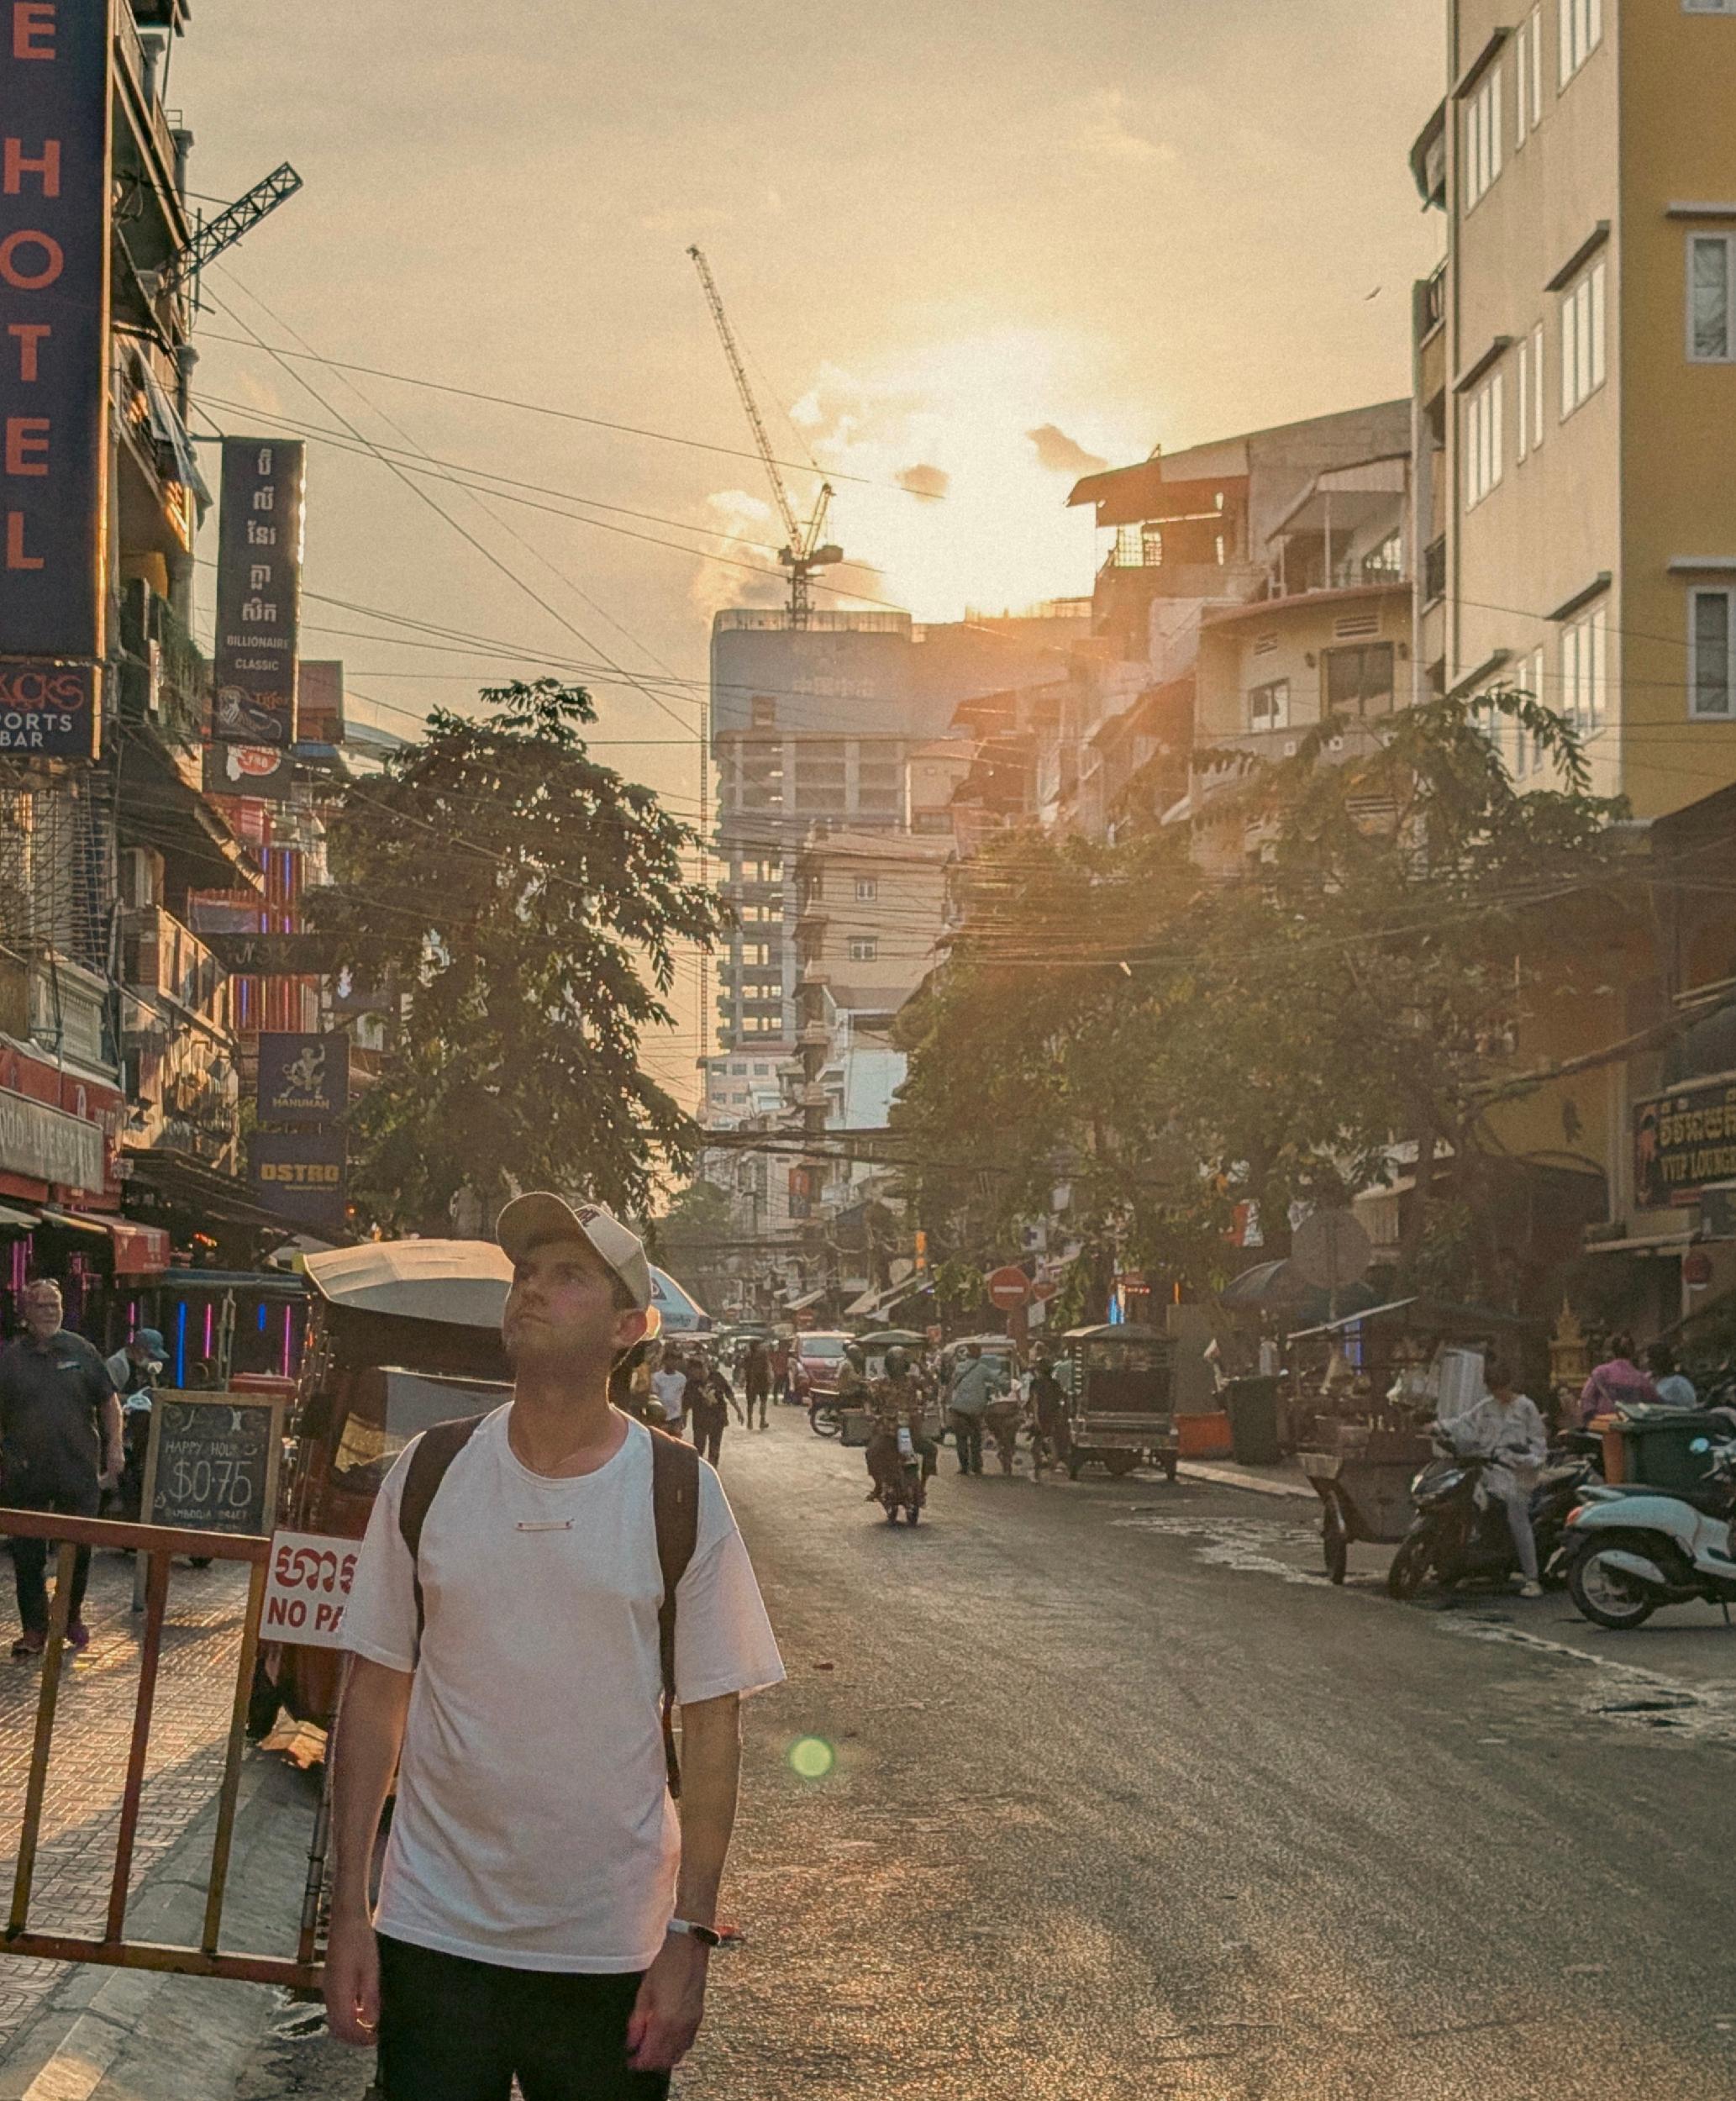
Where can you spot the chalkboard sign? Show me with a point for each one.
(212, 1462)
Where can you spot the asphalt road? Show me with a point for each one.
(1127, 1801)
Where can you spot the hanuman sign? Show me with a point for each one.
(1683, 1140)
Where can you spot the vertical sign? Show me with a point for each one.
(303, 1079)
(259, 588)
(53, 376)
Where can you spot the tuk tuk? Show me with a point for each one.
(1121, 1398)
(404, 1333)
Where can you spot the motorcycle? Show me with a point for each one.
(902, 1489)
(1462, 1534)
(1630, 1549)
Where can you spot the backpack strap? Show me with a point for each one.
(439, 1446)
(674, 1507)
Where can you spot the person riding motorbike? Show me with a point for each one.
(852, 1383)
(895, 1403)
(1507, 1428)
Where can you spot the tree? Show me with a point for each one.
(530, 901)
(1171, 1046)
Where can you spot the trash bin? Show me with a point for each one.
(1657, 1441)
(1253, 1406)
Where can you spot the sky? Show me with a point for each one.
(970, 251)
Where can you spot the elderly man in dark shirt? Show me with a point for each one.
(60, 1440)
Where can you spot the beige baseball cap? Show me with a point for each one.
(540, 1215)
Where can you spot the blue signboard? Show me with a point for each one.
(299, 1174)
(303, 1079)
(53, 357)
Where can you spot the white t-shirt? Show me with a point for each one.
(671, 1388)
(534, 1825)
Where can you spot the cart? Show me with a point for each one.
(1364, 1491)
(1121, 1402)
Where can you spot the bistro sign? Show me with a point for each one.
(1684, 1140)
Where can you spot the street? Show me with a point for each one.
(1128, 1800)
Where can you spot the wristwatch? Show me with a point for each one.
(707, 1936)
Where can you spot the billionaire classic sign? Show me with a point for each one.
(1684, 1140)
(54, 349)
(259, 588)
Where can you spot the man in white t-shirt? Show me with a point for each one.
(669, 1383)
(542, 1910)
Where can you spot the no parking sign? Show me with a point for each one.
(306, 1585)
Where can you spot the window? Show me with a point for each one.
(1269, 706)
(1528, 752)
(1582, 32)
(1585, 666)
(1358, 682)
(1711, 670)
(1536, 387)
(762, 713)
(864, 949)
(1527, 84)
(1524, 395)
(1582, 339)
(867, 889)
(1482, 138)
(1482, 442)
(1708, 6)
(1711, 335)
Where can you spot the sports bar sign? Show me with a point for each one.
(54, 157)
(1684, 1140)
(259, 590)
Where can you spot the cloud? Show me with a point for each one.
(1102, 130)
(924, 481)
(1058, 453)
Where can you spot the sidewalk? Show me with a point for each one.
(1284, 1479)
(92, 1728)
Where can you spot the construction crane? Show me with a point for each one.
(228, 227)
(804, 551)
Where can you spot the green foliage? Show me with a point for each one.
(1170, 1037)
(531, 901)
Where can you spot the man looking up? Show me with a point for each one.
(61, 1434)
(543, 1912)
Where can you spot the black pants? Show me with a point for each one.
(757, 1398)
(452, 2030)
(29, 1556)
(967, 1435)
(708, 1424)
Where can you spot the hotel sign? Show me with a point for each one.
(1684, 1140)
(54, 156)
(259, 593)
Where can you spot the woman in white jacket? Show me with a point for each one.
(1507, 1428)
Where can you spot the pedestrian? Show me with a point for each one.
(1616, 1383)
(710, 1398)
(756, 1379)
(1674, 1390)
(975, 1384)
(60, 1441)
(139, 1363)
(669, 1388)
(542, 1910)
(1049, 1437)
(1506, 1426)
(780, 1371)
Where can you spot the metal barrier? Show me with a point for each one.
(158, 1544)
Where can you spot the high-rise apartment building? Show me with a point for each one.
(1576, 379)
(814, 726)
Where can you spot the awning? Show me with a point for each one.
(140, 1250)
(160, 810)
(12, 1221)
(802, 1304)
(1643, 1243)
(74, 1222)
(168, 429)
(189, 1184)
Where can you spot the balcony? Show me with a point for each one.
(150, 152)
(158, 483)
(168, 680)
(1429, 304)
(160, 956)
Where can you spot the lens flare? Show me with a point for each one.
(813, 1757)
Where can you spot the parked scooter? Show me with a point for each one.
(1630, 1550)
(901, 1489)
(1463, 1535)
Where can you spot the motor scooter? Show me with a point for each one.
(901, 1487)
(1461, 1532)
(1629, 1549)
